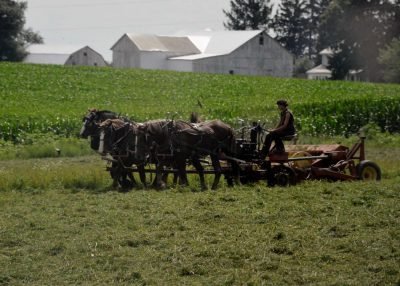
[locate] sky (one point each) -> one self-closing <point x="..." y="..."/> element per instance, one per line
<point x="100" y="23"/>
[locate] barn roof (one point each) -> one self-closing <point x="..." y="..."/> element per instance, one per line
<point x="161" y="43"/>
<point x="221" y="42"/>
<point x="216" y="43"/>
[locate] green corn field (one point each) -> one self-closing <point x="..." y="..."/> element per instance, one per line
<point x="52" y="99"/>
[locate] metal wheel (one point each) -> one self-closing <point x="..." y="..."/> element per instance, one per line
<point x="284" y="176"/>
<point x="368" y="171"/>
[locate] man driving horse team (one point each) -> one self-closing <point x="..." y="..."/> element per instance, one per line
<point x="284" y="128"/>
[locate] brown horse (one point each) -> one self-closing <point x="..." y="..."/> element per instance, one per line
<point x="90" y="127"/>
<point x="162" y="152"/>
<point x="212" y="138"/>
<point x="179" y="141"/>
<point x="123" y="141"/>
<point x="130" y="144"/>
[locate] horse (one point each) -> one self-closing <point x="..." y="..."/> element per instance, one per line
<point x="123" y="141"/>
<point x="162" y="152"/>
<point x="90" y="127"/>
<point x="227" y="143"/>
<point x="181" y="140"/>
<point x="212" y="138"/>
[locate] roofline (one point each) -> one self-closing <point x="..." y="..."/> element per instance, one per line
<point x="85" y="48"/>
<point x="120" y="38"/>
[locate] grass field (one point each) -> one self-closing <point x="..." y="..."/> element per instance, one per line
<point x="61" y="223"/>
<point x="312" y="234"/>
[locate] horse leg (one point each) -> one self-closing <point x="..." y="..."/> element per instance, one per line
<point x="180" y="165"/>
<point x="158" y="180"/>
<point x="142" y="174"/>
<point x="132" y="179"/>
<point x="200" y="170"/>
<point x="123" y="180"/>
<point x="235" y="172"/>
<point x="217" y="170"/>
<point x="115" y="175"/>
<point x="165" y="177"/>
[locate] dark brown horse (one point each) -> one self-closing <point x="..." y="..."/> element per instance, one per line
<point x="125" y="143"/>
<point x="212" y="138"/>
<point x="90" y="127"/>
<point x="179" y="140"/>
<point x="162" y="152"/>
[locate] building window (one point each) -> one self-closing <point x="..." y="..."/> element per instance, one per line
<point x="85" y="54"/>
<point x="261" y="41"/>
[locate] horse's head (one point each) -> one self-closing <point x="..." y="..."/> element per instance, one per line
<point x="92" y="120"/>
<point x="90" y="126"/>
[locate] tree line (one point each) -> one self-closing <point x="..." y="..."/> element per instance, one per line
<point x="363" y="34"/>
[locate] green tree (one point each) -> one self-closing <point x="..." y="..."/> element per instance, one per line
<point x="290" y="24"/>
<point x="314" y="10"/>
<point x="248" y="15"/>
<point x="357" y="30"/>
<point x="390" y="60"/>
<point x="13" y="36"/>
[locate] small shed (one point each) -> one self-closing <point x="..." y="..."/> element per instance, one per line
<point x="86" y="57"/>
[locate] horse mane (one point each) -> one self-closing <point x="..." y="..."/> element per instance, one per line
<point x="115" y="123"/>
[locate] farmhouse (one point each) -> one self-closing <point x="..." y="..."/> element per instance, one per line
<point x="64" y="55"/>
<point x="323" y="72"/>
<point x="226" y="52"/>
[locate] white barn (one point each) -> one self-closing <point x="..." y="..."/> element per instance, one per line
<point x="226" y="52"/>
<point x="149" y="51"/>
<point x="63" y="55"/>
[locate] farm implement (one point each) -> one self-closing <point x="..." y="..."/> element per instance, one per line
<point x="306" y="162"/>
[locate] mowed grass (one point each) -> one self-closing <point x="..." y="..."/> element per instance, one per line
<point x="314" y="233"/>
<point x="62" y="224"/>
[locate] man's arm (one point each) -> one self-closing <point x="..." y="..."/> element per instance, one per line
<point x="284" y="125"/>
